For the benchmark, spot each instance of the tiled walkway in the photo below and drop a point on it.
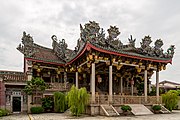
(57, 116)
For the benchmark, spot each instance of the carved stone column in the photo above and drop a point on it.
(157, 84)
(145, 84)
(65, 80)
(30, 97)
(93, 82)
(110, 83)
(121, 85)
(76, 79)
(132, 89)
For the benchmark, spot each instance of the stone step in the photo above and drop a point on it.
(164, 110)
(140, 109)
(109, 110)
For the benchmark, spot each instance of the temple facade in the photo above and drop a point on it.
(112, 72)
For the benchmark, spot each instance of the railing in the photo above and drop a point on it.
(58, 86)
(123, 99)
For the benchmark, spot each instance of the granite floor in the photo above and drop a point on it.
(175, 115)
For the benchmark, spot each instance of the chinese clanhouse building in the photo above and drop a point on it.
(113, 73)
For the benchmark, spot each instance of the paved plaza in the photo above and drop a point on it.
(57, 116)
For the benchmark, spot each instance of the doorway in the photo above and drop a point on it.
(16, 104)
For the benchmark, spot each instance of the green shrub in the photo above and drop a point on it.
(1, 113)
(60, 102)
(36, 110)
(4, 112)
(126, 108)
(78, 99)
(170, 99)
(47, 104)
(156, 107)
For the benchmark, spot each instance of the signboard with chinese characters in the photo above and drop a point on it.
(16, 93)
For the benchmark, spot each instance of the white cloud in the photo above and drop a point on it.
(43, 18)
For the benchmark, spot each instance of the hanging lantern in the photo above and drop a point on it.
(119, 67)
(99, 78)
(140, 63)
(139, 70)
(155, 66)
(90, 57)
(107, 62)
(79, 70)
(113, 60)
(149, 65)
(132, 82)
(127, 62)
(88, 65)
(38, 70)
(164, 67)
(95, 57)
(106, 58)
(100, 58)
(57, 76)
(58, 72)
(87, 58)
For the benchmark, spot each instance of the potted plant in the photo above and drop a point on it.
(156, 108)
(126, 109)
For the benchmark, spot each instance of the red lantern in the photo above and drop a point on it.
(132, 82)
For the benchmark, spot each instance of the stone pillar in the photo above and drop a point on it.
(29, 75)
(121, 84)
(132, 89)
(157, 85)
(29, 98)
(110, 83)
(145, 85)
(65, 80)
(77, 79)
(93, 81)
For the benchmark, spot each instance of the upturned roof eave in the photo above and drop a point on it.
(125, 54)
(44, 61)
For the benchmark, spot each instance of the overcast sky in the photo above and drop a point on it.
(44, 18)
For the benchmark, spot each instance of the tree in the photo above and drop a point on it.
(78, 99)
(34, 86)
(170, 99)
(60, 103)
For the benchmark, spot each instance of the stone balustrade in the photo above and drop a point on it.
(125, 99)
(11, 76)
(58, 86)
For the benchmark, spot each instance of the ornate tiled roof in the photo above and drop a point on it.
(94, 35)
(34, 51)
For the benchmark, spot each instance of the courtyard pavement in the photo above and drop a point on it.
(57, 116)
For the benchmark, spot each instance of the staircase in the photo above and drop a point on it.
(164, 110)
(140, 109)
(109, 110)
